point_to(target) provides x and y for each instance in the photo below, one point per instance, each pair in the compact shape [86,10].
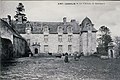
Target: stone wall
[88,43]
[94,45]
[53,42]
[20,47]
[12,43]
[6,49]
[6,31]
[84,43]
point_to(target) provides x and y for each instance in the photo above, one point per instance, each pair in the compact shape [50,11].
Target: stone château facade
[59,37]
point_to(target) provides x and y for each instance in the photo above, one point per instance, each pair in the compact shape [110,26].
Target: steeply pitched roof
[37,27]
[53,26]
[15,33]
[84,27]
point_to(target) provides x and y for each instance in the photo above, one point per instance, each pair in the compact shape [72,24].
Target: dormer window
[28,24]
[60,29]
[45,28]
[35,24]
[28,30]
[69,29]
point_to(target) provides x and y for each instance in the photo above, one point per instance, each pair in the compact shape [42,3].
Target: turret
[88,37]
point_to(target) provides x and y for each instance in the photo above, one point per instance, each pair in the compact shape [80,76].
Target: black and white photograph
[59,40]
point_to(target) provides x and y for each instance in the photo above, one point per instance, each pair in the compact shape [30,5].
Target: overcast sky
[104,13]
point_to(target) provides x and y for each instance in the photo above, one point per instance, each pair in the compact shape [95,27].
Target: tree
[20,8]
[104,30]
[117,41]
[20,12]
[105,38]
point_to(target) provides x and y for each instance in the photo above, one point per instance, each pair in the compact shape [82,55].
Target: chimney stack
[64,20]
[9,19]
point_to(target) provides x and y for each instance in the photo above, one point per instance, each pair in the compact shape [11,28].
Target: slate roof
[53,27]
[37,27]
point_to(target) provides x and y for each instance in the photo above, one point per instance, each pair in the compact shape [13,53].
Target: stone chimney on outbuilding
[9,19]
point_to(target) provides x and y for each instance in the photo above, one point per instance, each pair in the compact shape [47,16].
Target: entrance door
[36,51]
[111,51]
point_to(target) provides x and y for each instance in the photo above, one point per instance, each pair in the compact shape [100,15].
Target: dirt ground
[51,68]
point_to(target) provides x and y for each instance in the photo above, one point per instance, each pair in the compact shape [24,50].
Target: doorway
[111,51]
[36,51]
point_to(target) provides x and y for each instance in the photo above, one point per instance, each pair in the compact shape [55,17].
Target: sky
[101,13]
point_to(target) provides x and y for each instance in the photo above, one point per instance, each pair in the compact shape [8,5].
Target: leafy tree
[105,38]
[20,12]
[117,41]
[20,8]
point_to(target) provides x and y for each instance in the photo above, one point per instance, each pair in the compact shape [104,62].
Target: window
[46,48]
[60,29]
[60,38]
[60,50]
[70,48]
[88,26]
[45,28]
[69,29]
[46,38]
[27,24]
[28,30]
[69,38]
[35,24]
[28,41]
[36,51]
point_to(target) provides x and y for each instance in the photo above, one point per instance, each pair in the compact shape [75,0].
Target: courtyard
[52,68]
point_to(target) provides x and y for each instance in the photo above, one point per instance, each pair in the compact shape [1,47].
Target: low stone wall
[20,47]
